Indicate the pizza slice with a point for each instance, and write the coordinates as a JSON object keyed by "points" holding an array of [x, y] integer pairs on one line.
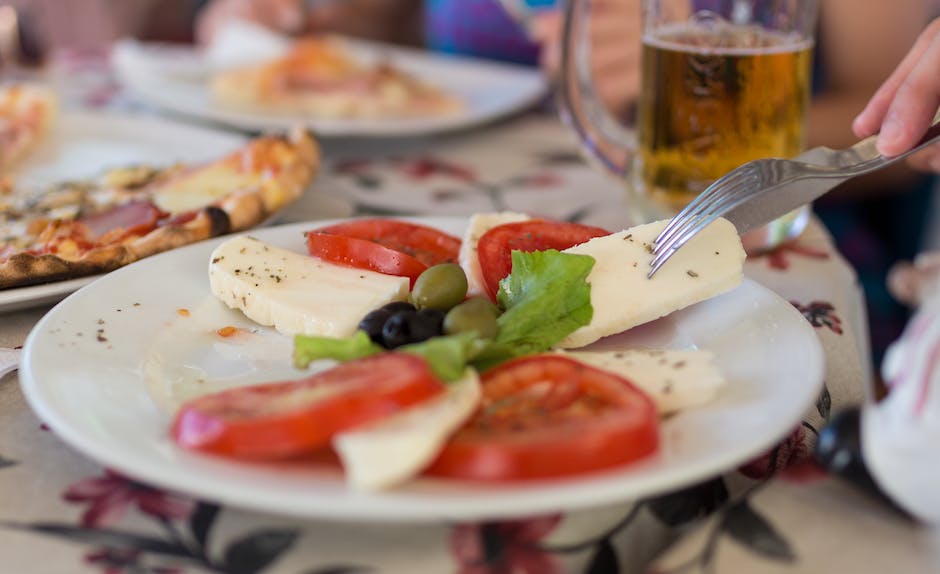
{"points": [[320, 78], [78, 229], [26, 114]]}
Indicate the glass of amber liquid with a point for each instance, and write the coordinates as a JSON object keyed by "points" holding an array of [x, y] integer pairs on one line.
{"points": [[723, 82]]}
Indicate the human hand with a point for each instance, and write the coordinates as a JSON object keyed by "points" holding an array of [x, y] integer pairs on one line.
{"points": [[905, 105], [279, 15], [615, 34]]}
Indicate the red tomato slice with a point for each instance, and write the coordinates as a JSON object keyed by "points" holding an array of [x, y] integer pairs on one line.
{"points": [[495, 247], [404, 249], [545, 416], [363, 254], [285, 419]]}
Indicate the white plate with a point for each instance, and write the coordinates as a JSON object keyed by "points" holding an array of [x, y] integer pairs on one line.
{"points": [[82, 145], [94, 394], [173, 79]]}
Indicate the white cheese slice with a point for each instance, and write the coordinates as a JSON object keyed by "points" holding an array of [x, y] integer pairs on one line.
{"points": [[623, 297], [468, 258], [296, 293], [674, 379], [393, 450]]}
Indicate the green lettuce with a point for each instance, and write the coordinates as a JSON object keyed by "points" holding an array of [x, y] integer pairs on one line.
{"points": [[546, 298], [447, 356], [309, 348]]}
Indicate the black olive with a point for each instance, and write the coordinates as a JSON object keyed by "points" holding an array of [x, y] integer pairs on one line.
{"points": [[372, 324], [397, 306], [437, 316], [426, 325], [397, 330]]}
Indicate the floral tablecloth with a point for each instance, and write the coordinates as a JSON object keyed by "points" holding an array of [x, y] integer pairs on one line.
{"points": [[61, 512]]}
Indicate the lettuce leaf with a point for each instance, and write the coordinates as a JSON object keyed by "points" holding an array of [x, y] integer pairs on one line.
{"points": [[448, 356], [308, 348], [546, 298]]}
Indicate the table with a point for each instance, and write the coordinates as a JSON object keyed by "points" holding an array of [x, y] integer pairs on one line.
{"points": [[60, 512]]}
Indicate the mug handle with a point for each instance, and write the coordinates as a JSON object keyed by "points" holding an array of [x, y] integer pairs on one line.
{"points": [[604, 139]]}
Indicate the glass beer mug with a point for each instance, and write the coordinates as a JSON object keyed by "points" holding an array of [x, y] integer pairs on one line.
{"points": [[723, 82]]}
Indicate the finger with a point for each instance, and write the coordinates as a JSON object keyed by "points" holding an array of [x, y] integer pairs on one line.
{"points": [[870, 119], [914, 104]]}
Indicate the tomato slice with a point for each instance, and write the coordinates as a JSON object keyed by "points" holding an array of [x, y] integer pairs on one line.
{"points": [[384, 245], [547, 415], [363, 254], [495, 247], [284, 419]]}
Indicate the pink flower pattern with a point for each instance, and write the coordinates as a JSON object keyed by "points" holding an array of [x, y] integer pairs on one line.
{"points": [[517, 548], [791, 451], [779, 258], [110, 496]]}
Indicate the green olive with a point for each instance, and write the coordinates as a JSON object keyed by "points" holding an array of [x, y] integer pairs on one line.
{"points": [[440, 287], [475, 314]]}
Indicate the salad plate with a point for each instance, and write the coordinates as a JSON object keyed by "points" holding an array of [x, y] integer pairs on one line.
{"points": [[107, 366]]}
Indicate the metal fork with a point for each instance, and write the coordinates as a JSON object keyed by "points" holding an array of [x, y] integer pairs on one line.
{"points": [[762, 190]]}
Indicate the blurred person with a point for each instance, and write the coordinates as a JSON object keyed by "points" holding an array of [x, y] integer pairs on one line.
{"points": [[481, 28], [95, 24]]}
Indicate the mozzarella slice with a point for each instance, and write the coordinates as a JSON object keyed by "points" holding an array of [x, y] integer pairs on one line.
{"points": [[623, 297], [675, 379], [468, 257], [397, 448], [295, 293]]}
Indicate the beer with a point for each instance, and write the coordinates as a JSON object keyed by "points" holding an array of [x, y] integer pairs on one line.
{"points": [[714, 98]]}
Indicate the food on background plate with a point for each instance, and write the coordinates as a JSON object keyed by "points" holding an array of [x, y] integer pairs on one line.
{"points": [[76, 229], [27, 111], [536, 412], [321, 78]]}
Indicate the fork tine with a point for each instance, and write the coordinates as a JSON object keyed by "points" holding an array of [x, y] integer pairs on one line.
{"points": [[739, 185], [697, 204], [691, 226], [706, 201]]}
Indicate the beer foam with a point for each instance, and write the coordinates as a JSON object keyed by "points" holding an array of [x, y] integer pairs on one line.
{"points": [[724, 39]]}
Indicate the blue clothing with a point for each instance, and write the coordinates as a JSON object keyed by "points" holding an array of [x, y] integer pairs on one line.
{"points": [[479, 28]]}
